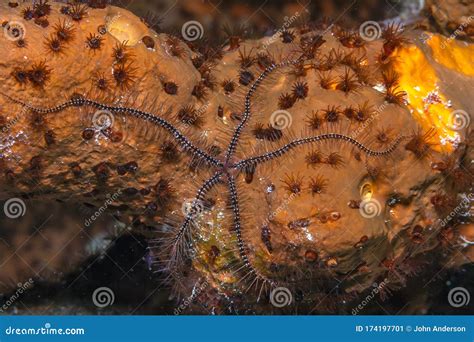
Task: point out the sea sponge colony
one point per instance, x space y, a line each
316 159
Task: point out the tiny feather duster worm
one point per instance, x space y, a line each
291 162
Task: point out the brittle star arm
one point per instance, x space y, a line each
237 228
183 141
247 111
314 139
178 246
202 191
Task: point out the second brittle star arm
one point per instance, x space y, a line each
247 111
314 139
237 229
178 245
202 191
183 141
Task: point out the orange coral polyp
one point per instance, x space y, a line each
426 102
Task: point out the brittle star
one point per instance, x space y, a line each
226 168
